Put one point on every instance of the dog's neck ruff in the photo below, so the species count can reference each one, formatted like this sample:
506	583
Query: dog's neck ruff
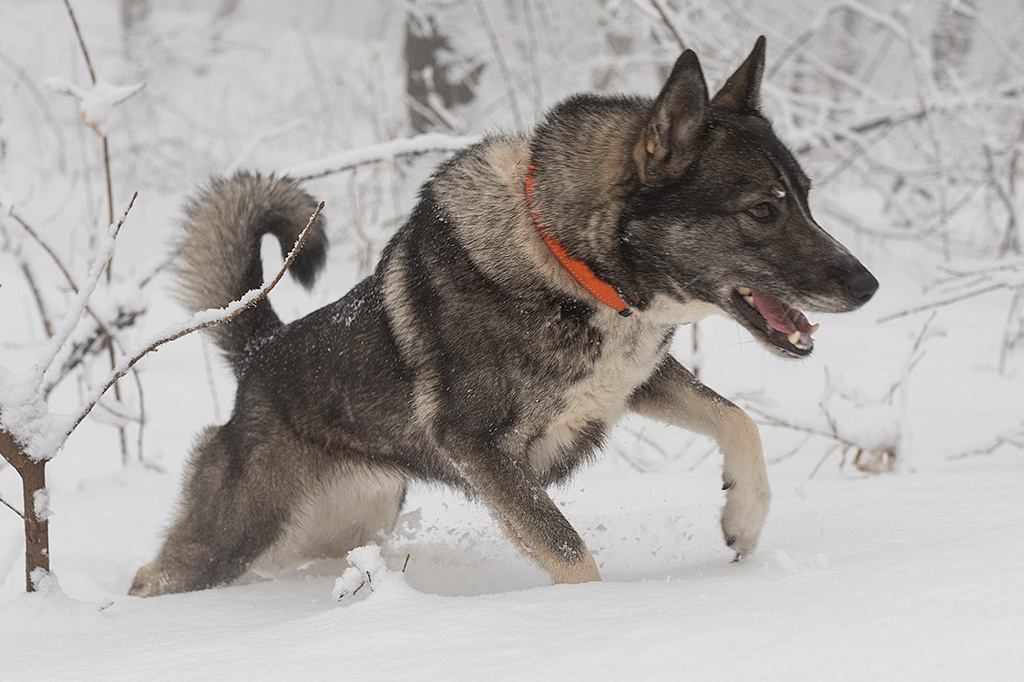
579	270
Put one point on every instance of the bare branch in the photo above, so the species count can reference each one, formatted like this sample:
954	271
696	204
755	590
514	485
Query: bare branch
81	43
771	420
45	247
1014	441
37	297
110	193
946	301
30	279
386	151
828	453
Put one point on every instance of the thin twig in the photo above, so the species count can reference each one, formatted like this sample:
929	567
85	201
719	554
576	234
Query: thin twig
915	356
12	508
110	196
792	452
37	297
939	304
510	88
772	420
1000	441
700	460
81	44
141	418
30	279
45	247
1012	337
668	23
817	467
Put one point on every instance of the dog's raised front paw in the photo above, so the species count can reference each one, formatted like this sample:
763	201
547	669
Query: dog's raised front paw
746	506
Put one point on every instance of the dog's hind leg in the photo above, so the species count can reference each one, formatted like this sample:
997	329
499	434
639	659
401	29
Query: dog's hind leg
237	498
674	396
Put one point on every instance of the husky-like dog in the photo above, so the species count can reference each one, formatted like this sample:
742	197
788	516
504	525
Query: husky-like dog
527	304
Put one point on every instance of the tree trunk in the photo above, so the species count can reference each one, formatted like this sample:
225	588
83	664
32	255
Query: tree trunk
36	512
37	524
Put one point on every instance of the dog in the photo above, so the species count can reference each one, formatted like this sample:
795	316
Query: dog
528	303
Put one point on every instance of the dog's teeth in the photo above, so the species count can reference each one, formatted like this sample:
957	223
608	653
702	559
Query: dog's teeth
794	338
815	327
749	299
744	291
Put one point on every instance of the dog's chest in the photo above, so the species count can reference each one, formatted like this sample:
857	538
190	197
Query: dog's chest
626	359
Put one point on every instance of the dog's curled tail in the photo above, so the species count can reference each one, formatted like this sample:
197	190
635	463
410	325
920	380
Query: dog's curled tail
219	251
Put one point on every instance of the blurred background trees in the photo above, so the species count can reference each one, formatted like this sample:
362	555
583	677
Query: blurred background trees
908	115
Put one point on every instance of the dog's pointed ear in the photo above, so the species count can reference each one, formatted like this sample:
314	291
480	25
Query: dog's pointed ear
667	144
742	92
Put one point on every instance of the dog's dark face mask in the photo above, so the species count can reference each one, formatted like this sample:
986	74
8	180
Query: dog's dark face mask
721	212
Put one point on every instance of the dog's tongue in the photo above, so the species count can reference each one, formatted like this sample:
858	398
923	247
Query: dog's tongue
780	316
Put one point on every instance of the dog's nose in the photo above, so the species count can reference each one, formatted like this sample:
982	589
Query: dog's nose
862	286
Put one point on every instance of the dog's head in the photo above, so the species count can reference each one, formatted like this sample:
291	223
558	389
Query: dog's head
720	212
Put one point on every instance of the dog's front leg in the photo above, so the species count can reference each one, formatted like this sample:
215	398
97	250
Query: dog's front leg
509	486
674	396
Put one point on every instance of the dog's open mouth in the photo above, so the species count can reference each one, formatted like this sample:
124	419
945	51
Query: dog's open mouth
779	324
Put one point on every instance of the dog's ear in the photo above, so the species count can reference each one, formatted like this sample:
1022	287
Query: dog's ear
742	92
668	142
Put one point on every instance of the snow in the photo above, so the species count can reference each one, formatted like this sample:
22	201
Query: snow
898	577
26	416
96	102
367	573
909	575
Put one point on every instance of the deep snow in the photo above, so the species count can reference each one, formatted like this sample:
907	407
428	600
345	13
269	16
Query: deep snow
909	577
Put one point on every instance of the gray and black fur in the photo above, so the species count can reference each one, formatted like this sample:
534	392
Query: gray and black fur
471	357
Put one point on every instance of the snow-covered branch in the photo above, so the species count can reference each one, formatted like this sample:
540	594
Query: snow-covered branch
104	252
426	143
201	320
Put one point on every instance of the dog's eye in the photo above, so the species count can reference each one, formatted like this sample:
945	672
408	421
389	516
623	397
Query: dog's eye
763	212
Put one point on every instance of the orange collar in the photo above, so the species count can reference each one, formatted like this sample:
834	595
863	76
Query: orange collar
579	270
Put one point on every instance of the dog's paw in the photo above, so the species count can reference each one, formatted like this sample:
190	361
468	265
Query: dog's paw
746	507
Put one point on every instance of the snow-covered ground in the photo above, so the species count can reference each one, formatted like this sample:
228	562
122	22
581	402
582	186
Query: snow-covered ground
910	575
906	577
